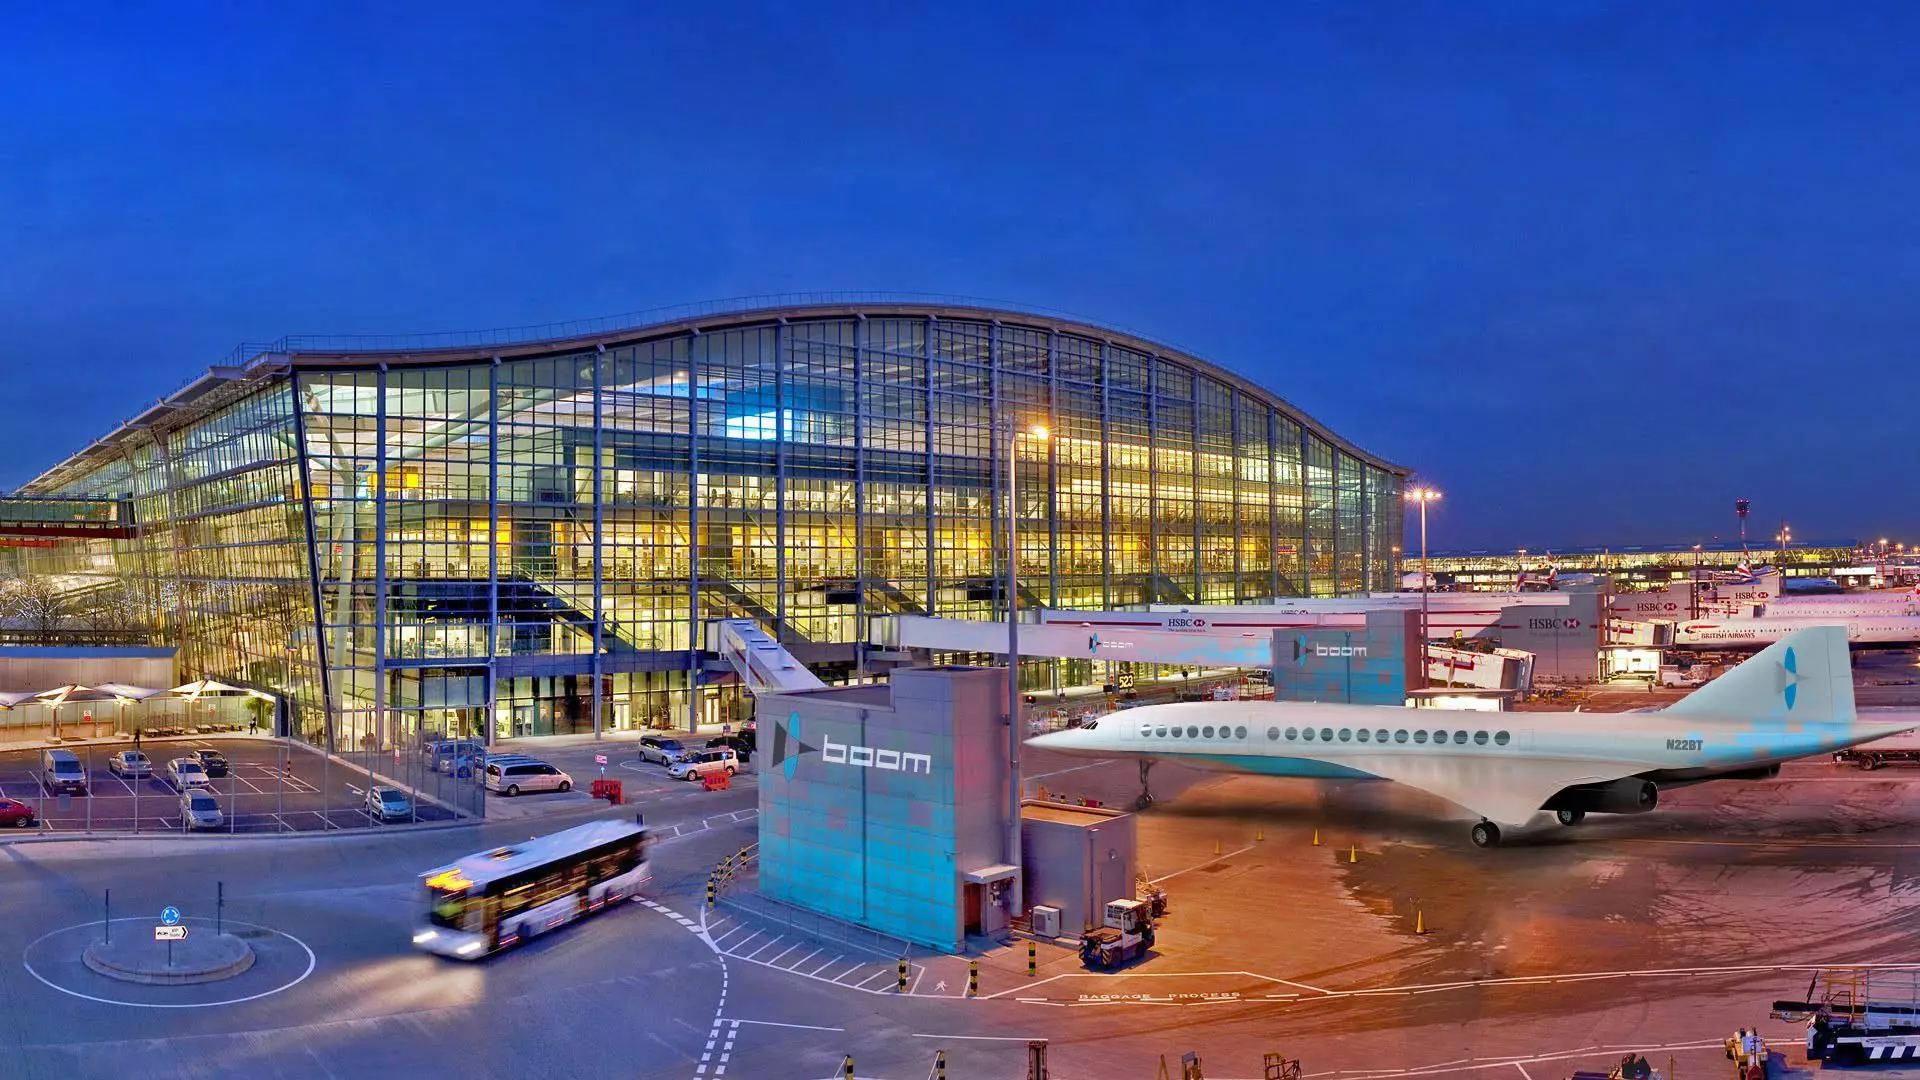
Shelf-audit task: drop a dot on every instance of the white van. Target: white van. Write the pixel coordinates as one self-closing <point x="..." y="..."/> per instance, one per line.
<point x="61" y="771"/>
<point x="514" y="777"/>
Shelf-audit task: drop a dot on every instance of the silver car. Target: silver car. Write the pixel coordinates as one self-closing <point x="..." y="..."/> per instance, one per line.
<point x="130" y="765"/>
<point x="186" y="774"/>
<point x="200" y="810"/>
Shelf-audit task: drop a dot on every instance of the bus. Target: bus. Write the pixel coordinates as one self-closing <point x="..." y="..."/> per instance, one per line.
<point x="493" y="900"/>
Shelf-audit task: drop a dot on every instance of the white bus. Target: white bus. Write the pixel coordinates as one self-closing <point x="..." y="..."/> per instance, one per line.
<point x="496" y="899"/>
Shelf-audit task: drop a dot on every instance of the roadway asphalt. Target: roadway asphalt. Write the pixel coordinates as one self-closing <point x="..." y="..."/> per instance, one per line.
<point x="1563" y="949"/>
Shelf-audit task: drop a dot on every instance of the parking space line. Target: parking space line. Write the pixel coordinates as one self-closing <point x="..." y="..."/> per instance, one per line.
<point x="761" y="949"/>
<point x="862" y="984"/>
<point x="783" y="955"/>
<point x="734" y="931"/>
<point x="824" y="966"/>
<point x="795" y="966"/>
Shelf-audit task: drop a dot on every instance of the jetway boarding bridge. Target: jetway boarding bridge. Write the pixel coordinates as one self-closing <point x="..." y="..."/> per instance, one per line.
<point x="763" y="664"/>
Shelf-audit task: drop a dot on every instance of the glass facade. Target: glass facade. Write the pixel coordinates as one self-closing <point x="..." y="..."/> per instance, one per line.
<point x="441" y="540"/>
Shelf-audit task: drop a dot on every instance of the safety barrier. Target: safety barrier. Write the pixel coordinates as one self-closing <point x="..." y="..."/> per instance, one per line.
<point x="723" y="872"/>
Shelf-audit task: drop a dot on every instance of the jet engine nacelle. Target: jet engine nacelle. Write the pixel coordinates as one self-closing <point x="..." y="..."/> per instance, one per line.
<point x="1624" y="796"/>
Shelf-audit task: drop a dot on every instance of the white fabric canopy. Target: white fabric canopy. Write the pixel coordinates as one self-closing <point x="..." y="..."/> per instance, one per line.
<point x="204" y="686"/>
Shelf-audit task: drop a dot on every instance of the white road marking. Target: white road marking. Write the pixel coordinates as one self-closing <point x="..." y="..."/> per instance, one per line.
<point x="981" y="1038"/>
<point x="1523" y="1070"/>
<point x="1076" y="768"/>
<point x="312" y="962"/>
<point x="1200" y="866"/>
<point x="771" y="1023"/>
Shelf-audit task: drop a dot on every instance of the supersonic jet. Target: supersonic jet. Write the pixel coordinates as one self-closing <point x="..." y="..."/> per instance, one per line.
<point x="1792" y="700"/>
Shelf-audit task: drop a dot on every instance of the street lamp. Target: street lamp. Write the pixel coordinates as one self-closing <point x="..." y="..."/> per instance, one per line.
<point x="1423" y="496"/>
<point x="1039" y="432"/>
<point x="1693" y="594"/>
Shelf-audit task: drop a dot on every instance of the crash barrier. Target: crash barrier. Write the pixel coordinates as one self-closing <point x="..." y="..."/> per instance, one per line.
<point x="609" y="790"/>
<point x="724" y="871"/>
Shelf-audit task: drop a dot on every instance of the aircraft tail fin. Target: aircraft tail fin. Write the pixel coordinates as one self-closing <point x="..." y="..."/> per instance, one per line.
<point x="1806" y="676"/>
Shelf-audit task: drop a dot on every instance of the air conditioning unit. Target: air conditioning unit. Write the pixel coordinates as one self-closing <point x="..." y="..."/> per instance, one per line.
<point x="1046" y="921"/>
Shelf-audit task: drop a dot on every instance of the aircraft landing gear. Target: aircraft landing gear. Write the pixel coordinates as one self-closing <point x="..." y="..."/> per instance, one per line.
<point x="1570" y="817"/>
<point x="1486" y="834"/>
<point x="1146" y="795"/>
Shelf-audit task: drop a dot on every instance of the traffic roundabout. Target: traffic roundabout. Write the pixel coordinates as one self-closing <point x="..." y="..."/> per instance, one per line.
<point x="122" y="962"/>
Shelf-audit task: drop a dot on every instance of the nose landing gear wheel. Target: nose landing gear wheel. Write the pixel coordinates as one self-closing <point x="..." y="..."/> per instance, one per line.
<point x="1486" y="834"/>
<point x="1146" y="794"/>
<point x="1570" y="817"/>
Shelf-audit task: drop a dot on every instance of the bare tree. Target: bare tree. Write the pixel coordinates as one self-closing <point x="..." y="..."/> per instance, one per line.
<point x="34" y="603"/>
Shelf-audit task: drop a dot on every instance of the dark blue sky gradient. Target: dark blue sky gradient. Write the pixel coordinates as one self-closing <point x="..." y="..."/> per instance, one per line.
<point x="1594" y="269"/>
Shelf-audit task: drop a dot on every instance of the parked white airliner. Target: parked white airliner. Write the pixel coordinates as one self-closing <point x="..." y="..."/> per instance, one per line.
<point x="1792" y="700"/>
<point x="1734" y="635"/>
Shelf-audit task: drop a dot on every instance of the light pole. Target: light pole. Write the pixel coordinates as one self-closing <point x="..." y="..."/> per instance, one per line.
<point x="1693" y="598"/>
<point x="1039" y="432"/>
<point x="1423" y="496"/>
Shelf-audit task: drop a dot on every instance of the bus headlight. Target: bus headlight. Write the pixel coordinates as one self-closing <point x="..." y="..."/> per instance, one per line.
<point x="469" y="948"/>
<point x="425" y="936"/>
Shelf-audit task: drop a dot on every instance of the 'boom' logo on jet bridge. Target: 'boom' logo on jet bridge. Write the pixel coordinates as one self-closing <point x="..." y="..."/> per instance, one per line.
<point x="873" y="757"/>
<point x="1303" y="649"/>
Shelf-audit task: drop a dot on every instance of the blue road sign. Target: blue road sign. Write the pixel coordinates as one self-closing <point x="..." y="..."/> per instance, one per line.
<point x="170" y="916"/>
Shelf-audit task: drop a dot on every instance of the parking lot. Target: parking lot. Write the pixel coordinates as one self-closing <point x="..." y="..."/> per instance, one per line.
<point x="270" y="787"/>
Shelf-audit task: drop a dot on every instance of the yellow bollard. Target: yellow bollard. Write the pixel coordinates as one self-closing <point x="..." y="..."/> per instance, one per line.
<point x="1259" y="834"/>
<point x="939" y="1065"/>
<point x="1033" y="963"/>
<point x="1316" y="838"/>
<point x="1419" y="922"/>
<point x="903" y="974"/>
<point x="1353" y="854"/>
<point x="846" y="1067"/>
<point x="709" y="892"/>
<point x="973" y="978"/>
<point x="1216" y="847"/>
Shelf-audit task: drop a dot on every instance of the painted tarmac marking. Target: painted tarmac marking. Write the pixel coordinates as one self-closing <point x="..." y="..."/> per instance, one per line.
<point x="1170" y="975"/>
<point x="1523" y="1070"/>
<point x="1204" y="865"/>
<point x="1474" y="1065"/>
<point x="773" y="1023"/>
<point x="1076" y="768"/>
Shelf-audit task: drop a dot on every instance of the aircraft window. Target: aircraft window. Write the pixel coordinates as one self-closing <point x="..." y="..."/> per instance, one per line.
<point x="1239" y="733"/>
<point x="1400" y="736"/>
<point x="1346" y="735"/>
<point x="1459" y="738"/>
<point x="1479" y="738"/>
<point x="1326" y="734"/>
<point x="1273" y="734"/>
<point x="1292" y="733"/>
<point x="1420" y="737"/>
<point x="1380" y="736"/>
<point x="1193" y="732"/>
<point x="1162" y="732"/>
<point x="1207" y="731"/>
<point x="1307" y="734"/>
<point x="1363" y="734"/>
<point x="1090" y="724"/>
<point x="1500" y="738"/>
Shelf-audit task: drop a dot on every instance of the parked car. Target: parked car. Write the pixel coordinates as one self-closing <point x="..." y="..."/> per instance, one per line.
<point x="721" y="760"/>
<point x="388" y="803"/>
<point x="513" y="777"/>
<point x="659" y="748"/>
<point x="213" y="761"/>
<point x="740" y="746"/>
<point x="200" y="810"/>
<point x="130" y="765"/>
<point x="15" y="813"/>
<point x="448" y="755"/>
<point x="62" y="772"/>
<point x="187" y="773"/>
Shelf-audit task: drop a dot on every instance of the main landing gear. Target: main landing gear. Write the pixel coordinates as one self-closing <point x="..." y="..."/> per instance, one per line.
<point x="1146" y="795"/>
<point x="1570" y="817"/>
<point x="1486" y="834"/>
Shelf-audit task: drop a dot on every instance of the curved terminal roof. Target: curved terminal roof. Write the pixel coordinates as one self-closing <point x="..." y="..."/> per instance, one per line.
<point x="251" y="364"/>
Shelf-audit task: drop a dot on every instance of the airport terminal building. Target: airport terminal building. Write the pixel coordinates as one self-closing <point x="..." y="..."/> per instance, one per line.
<point x="525" y="532"/>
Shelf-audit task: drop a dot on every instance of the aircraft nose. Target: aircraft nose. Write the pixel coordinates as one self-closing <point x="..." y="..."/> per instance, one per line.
<point x="1054" y="740"/>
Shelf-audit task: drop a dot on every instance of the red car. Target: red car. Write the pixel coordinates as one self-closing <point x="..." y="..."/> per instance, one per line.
<point x="17" y="814"/>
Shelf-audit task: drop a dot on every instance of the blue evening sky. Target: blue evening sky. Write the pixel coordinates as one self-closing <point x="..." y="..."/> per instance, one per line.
<point x="1593" y="269"/>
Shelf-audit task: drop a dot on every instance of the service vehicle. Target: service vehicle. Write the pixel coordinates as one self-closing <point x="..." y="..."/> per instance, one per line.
<point x="703" y="762"/>
<point x="130" y="765"/>
<point x="1903" y="749"/>
<point x="62" y="772"/>
<point x="1126" y="934"/>
<point x="186" y="773"/>
<point x="15" y="813"/>
<point x="199" y="810"/>
<point x="388" y="803"/>
<point x="661" y="749"/>
<point x="510" y="778"/>
<point x="1856" y="1015"/>
<point x="493" y="900"/>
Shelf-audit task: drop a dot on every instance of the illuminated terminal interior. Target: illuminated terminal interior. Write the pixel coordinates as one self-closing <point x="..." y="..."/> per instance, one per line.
<point x="481" y="529"/>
